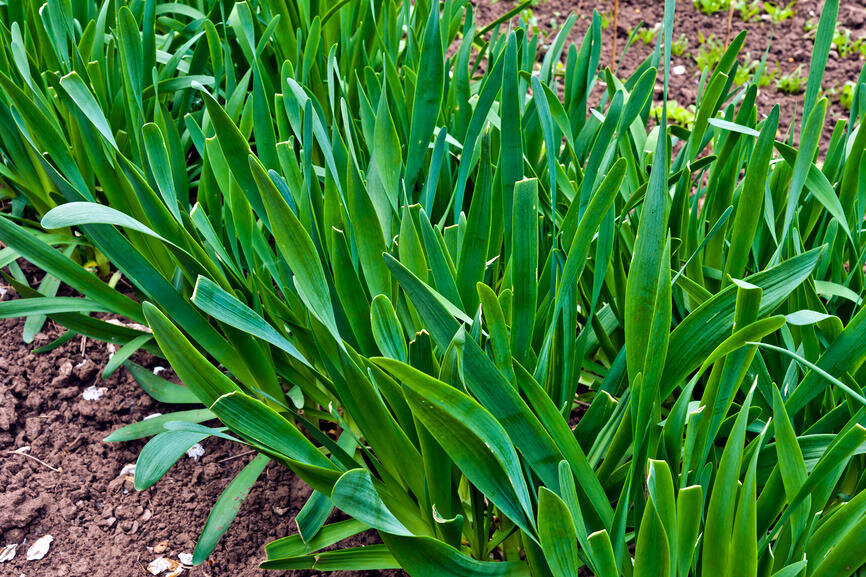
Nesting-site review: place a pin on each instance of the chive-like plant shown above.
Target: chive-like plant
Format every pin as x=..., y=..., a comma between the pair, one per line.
x=400, y=252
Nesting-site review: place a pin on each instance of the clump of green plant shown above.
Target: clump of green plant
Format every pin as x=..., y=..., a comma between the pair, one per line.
x=749, y=10
x=676, y=113
x=747, y=70
x=792, y=82
x=846, y=95
x=709, y=52
x=711, y=6
x=778, y=13
x=844, y=44
x=680, y=45
x=648, y=35
x=606, y=20
x=403, y=298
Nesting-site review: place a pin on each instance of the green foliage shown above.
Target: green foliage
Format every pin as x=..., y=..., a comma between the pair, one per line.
x=680, y=45
x=399, y=270
x=709, y=52
x=711, y=6
x=846, y=95
x=648, y=35
x=845, y=45
x=792, y=82
x=676, y=113
x=755, y=71
x=778, y=13
x=750, y=10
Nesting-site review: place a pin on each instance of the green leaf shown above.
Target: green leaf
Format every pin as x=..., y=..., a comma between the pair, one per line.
x=428, y=96
x=705, y=327
x=221, y=305
x=298, y=250
x=156, y=425
x=557, y=534
x=48, y=306
x=471, y=437
x=86, y=102
x=355, y=494
x=427, y=557
x=205, y=381
x=524, y=265
x=387, y=330
x=160, y=389
x=226, y=508
x=160, y=453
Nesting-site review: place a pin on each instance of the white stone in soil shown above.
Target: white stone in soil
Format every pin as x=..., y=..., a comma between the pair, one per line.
x=93, y=393
x=195, y=452
x=7, y=553
x=39, y=549
x=161, y=565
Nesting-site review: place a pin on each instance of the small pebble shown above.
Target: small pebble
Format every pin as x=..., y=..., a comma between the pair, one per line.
x=195, y=452
x=39, y=549
x=93, y=393
x=161, y=565
x=185, y=558
x=7, y=553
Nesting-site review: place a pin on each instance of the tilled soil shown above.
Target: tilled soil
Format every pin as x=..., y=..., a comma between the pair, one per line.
x=790, y=46
x=101, y=525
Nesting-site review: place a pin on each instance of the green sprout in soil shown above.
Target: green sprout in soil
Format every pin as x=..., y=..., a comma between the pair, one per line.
x=647, y=35
x=709, y=52
x=846, y=95
x=748, y=72
x=778, y=13
x=712, y=6
x=749, y=9
x=606, y=19
x=792, y=83
x=677, y=114
x=680, y=45
x=845, y=44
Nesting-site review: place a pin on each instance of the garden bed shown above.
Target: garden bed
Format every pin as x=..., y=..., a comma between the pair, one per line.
x=100, y=524
x=788, y=56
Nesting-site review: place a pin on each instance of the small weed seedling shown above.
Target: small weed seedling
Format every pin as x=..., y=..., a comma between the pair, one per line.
x=647, y=35
x=712, y=6
x=844, y=44
x=749, y=9
x=677, y=114
x=779, y=13
x=846, y=95
x=679, y=46
x=791, y=83
x=748, y=70
x=709, y=52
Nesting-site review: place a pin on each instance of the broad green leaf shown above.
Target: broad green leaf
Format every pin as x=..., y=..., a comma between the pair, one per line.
x=160, y=453
x=226, y=508
x=155, y=425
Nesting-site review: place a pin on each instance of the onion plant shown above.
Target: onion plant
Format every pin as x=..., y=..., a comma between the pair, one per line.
x=455, y=277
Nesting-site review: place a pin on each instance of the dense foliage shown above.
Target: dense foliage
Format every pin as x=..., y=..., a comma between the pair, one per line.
x=400, y=252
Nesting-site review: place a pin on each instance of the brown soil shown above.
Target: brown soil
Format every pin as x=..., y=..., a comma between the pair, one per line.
x=101, y=525
x=789, y=49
